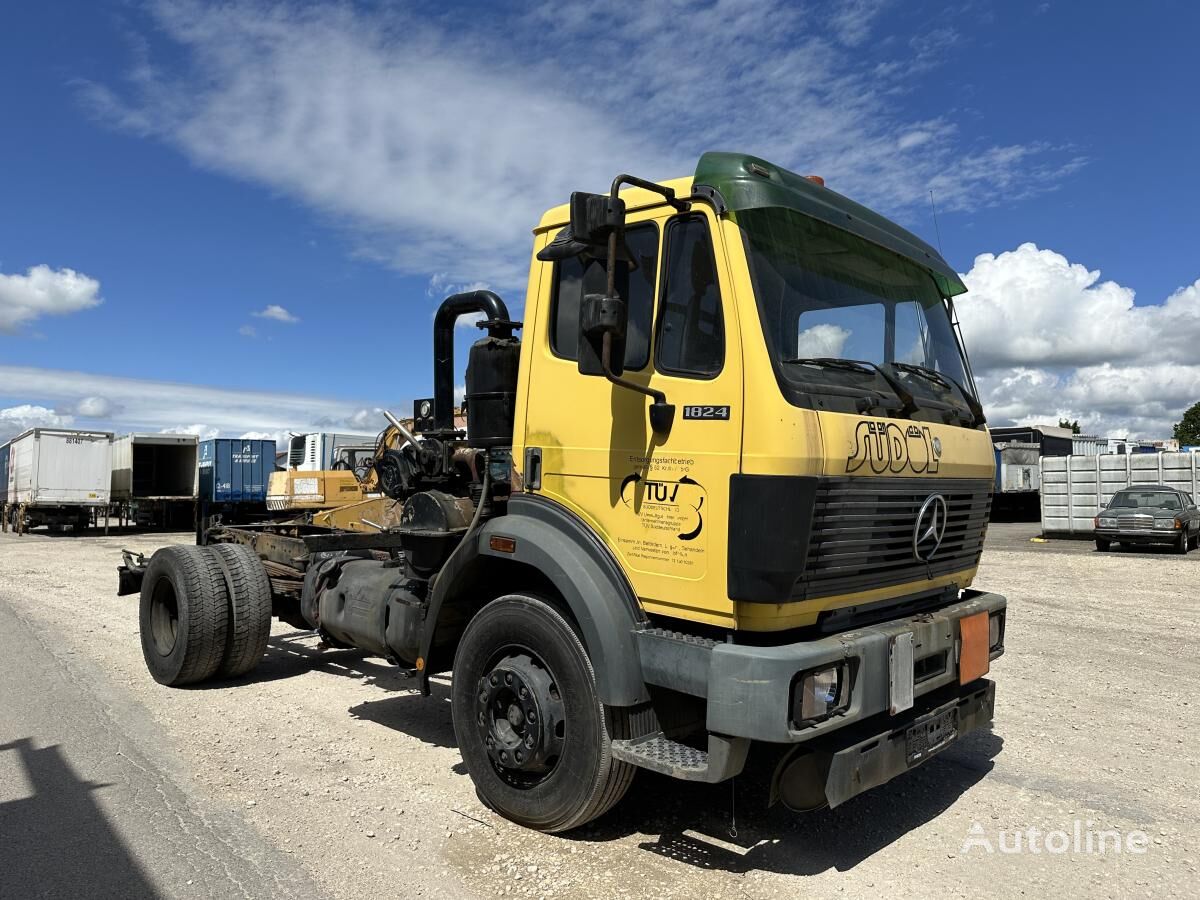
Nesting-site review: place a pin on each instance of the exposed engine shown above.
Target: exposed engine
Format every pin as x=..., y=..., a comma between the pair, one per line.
x=448, y=483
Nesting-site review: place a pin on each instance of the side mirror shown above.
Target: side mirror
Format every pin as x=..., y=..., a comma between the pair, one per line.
x=593, y=219
x=594, y=216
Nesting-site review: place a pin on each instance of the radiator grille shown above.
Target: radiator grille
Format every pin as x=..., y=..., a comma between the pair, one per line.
x=862, y=533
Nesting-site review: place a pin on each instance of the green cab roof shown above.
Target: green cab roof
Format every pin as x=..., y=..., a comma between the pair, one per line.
x=747, y=182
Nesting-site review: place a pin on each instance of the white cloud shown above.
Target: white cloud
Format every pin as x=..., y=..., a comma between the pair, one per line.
x=203, y=432
x=43, y=291
x=821, y=340
x=359, y=113
x=276, y=312
x=248, y=331
x=1049, y=339
x=16, y=419
x=146, y=405
x=95, y=407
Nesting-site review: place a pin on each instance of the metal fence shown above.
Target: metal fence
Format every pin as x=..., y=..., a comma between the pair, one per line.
x=1074, y=488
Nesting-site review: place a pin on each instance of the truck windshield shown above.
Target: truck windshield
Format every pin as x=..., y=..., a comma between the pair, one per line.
x=825, y=295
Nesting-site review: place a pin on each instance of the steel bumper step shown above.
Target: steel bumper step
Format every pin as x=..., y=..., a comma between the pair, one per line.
x=723, y=759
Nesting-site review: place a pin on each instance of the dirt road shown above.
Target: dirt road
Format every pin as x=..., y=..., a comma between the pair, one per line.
x=324, y=774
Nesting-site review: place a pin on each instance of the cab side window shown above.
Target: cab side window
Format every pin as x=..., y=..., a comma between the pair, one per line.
x=573, y=278
x=691, y=329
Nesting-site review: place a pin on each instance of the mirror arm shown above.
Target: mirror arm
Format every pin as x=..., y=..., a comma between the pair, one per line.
x=666, y=192
x=662, y=413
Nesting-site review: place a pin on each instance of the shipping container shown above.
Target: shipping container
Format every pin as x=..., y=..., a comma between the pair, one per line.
x=1074, y=488
x=233, y=470
x=1085, y=445
x=154, y=467
x=1017, y=467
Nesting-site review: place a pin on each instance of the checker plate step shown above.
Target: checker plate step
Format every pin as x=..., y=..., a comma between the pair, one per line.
x=661, y=754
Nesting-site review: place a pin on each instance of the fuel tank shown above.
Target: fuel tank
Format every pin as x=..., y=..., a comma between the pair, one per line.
x=372, y=606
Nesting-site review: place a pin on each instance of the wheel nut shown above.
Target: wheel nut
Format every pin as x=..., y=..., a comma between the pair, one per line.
x=522, y=693
x=520, y=756
x=529, y=742
x=531, y=716
x=508, y=678
x=483, y=699
x=504, y=755
x=495, y=679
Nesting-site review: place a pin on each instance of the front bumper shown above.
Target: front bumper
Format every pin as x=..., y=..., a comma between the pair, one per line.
x=858, y=763
x=748, y=688
x=1140, y=536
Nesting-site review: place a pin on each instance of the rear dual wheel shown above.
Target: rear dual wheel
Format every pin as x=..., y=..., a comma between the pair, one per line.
x=204, y=611
x=531, y=729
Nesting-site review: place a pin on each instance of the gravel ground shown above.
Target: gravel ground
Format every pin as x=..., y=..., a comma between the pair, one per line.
x=323, y=773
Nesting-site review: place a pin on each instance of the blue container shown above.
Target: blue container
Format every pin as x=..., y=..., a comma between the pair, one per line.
x=4, y=451
x=235, y=471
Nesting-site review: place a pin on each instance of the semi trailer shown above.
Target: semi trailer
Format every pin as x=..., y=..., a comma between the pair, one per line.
x=57, y=477
x=729, y=488
x=155, y=479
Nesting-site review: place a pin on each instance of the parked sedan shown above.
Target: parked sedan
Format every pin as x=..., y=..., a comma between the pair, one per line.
x=1149, y=514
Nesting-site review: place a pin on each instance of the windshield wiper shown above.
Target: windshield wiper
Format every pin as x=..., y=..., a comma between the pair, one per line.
x=947, y=382
x=861, y=365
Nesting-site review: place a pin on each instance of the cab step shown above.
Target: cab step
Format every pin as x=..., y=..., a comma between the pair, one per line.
x=723, y=759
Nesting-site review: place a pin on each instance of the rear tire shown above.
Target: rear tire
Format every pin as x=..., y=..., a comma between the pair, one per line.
x=1102, y=544
x=575, y=778
x=184, y=615
x=249, y=590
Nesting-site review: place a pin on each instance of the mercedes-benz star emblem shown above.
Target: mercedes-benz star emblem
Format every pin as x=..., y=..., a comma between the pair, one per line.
x=930, y=527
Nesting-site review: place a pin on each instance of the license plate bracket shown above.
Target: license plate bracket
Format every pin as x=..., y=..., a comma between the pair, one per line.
x=930, y=734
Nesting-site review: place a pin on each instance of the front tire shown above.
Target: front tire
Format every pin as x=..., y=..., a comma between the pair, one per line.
x=184, y=615
x=1102, y=544
x=1182, y=545
x=531, y=729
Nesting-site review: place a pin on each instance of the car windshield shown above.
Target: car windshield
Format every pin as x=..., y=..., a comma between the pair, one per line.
x=824, y=294
x=1145, y=500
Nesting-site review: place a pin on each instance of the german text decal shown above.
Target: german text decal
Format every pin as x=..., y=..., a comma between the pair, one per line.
x=889, y=446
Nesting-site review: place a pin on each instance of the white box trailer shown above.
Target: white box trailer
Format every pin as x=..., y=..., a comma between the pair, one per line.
x=1074, y=488
x=57, y=476
x=155, y=479
x=154, y=467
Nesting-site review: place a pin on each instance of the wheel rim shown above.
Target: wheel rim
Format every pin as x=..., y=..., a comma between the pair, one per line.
x=164, y=617
x=520, y=717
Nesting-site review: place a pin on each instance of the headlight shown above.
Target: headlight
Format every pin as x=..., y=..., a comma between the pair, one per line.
x=995, y=631
x=1108, y=522
x=1166, y=523
x=820, y=694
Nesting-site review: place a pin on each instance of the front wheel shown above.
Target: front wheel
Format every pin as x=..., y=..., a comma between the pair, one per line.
x=534, y=735
x=1102, y=544
x=1182, y=545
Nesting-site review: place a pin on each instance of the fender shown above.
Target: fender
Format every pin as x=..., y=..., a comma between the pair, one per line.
x=558, y=544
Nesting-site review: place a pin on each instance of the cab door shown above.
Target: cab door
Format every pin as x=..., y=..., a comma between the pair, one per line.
x=660, y=501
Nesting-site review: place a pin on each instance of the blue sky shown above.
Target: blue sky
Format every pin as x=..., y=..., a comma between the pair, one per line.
x=195, y=166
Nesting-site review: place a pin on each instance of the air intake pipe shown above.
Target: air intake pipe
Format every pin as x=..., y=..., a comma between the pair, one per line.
x=498, y=325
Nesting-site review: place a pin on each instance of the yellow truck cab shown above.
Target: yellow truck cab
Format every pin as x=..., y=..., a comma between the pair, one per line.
x=730, y=487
